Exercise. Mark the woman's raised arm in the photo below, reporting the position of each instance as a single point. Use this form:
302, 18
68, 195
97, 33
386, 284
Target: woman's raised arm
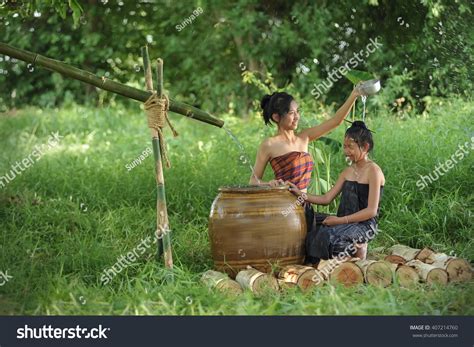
319, 130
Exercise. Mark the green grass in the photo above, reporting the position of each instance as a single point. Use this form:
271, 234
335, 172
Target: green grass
56, 249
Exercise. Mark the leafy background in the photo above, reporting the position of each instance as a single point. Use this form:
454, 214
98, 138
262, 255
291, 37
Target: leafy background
223, 62
426, 50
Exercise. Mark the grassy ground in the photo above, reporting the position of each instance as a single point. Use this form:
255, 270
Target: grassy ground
74, 212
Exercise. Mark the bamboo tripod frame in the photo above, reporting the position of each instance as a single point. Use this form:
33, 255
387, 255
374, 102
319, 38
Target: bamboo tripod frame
163, 232
104, 83
162, 222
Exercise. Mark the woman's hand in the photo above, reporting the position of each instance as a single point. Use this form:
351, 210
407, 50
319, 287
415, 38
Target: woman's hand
294, 189
333, 220
276, 183
356, 92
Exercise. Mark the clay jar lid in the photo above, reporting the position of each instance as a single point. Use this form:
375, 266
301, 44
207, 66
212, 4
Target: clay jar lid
249, 189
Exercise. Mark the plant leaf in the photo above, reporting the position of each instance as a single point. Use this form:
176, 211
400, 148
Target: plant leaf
355, 76
334, 144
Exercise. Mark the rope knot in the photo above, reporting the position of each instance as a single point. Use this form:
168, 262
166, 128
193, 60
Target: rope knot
156, 109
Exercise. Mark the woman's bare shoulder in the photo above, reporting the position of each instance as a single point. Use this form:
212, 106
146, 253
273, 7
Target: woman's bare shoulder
345, 173
374, 169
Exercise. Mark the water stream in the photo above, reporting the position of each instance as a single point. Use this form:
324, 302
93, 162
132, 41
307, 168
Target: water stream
363, 98
243, 156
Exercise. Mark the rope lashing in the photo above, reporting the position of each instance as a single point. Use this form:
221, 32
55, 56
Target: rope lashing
156, 109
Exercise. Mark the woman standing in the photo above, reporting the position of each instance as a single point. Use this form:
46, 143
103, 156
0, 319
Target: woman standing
287, 151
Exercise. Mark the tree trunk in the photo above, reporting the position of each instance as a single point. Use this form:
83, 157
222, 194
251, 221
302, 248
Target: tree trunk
304, 277
221, 282
376, 272
429, 273
256, 281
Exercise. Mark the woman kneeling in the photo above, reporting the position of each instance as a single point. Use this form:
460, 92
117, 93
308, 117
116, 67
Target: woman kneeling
361, 185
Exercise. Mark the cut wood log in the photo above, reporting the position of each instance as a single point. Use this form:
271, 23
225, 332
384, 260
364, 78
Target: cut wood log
326, 267
404, 275
429, 273
380, 250
221, 281
405, 252
377, 253
346, 273
256, 281
375, 256
459, 270
425, 254
286, 285
394, 259
304, 277
375, 272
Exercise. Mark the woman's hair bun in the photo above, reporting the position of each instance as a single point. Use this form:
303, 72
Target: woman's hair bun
359, 124
265, 101
278, 102
359, 132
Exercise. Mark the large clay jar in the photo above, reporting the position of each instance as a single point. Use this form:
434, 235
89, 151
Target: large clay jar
259, 226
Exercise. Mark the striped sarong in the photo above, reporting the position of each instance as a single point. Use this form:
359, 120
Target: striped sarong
295, 167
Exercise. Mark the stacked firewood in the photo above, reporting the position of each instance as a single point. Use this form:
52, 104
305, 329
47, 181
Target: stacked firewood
400, 264
432, 267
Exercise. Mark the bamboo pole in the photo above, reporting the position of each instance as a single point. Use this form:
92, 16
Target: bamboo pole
162, 217
162, 223
159, 76
104, 83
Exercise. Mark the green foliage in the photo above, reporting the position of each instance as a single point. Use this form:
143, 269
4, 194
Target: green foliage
208, 57
33, 8
355, 76
74, 212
